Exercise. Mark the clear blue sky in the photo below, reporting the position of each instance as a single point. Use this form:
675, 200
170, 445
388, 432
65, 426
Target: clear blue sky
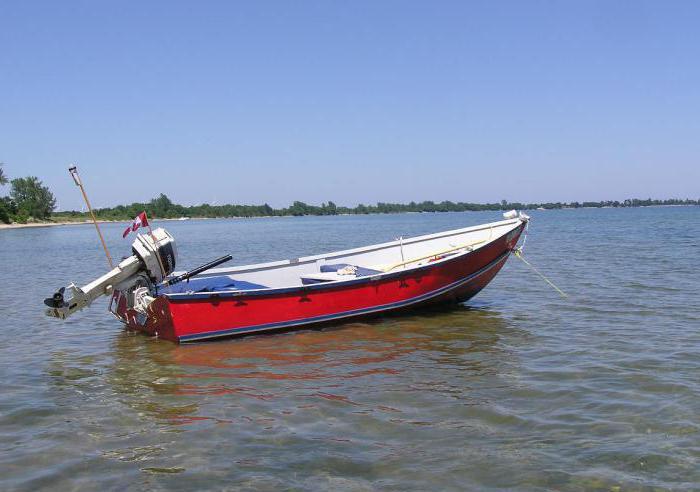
252, 102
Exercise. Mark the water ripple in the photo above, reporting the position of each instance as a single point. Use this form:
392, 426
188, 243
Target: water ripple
522, 390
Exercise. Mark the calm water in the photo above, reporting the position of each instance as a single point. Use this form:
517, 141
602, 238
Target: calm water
518, 390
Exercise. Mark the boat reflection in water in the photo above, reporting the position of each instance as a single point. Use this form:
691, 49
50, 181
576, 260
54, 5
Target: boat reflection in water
359, 400
378, 366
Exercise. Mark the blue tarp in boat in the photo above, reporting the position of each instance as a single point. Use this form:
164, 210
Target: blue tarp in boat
210, 284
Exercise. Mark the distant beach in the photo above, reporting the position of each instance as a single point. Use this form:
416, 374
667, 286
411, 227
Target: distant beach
77, 222
50, 224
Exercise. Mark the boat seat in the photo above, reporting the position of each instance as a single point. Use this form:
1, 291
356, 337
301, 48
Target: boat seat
211, 284
338, 271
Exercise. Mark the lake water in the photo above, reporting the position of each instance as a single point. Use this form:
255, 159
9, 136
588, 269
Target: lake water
519, 389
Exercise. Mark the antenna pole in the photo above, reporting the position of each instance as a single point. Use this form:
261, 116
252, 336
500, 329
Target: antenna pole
74, 174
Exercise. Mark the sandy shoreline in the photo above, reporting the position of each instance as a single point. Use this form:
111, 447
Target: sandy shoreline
45, 224
65, 223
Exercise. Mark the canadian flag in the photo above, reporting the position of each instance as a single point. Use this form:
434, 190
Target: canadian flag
140, 221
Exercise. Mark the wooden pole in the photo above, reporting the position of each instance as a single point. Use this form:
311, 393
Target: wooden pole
74, 173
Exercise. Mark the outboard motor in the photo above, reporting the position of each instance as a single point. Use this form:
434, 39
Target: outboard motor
153, 259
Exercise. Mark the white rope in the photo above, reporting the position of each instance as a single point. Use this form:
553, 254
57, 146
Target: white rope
519, 254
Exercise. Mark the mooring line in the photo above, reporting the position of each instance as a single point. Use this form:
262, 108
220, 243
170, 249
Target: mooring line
519, 254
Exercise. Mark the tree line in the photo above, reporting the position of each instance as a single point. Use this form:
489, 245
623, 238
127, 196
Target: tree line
29, 200
163, 207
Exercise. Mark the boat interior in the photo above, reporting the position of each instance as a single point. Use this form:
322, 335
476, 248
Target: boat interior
375, 260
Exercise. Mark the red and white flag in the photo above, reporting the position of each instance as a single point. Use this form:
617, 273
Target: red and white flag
140, 221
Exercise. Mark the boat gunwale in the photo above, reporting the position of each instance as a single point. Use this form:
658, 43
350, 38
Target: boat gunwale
346, 252
187, 296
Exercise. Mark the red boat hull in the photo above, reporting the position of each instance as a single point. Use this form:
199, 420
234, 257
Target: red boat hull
212, 315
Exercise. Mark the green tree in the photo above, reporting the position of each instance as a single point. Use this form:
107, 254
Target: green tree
299, 208
32, 197
7, 209
161, 206
6, 205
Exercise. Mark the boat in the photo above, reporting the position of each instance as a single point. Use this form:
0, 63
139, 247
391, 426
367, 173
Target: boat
211, 301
